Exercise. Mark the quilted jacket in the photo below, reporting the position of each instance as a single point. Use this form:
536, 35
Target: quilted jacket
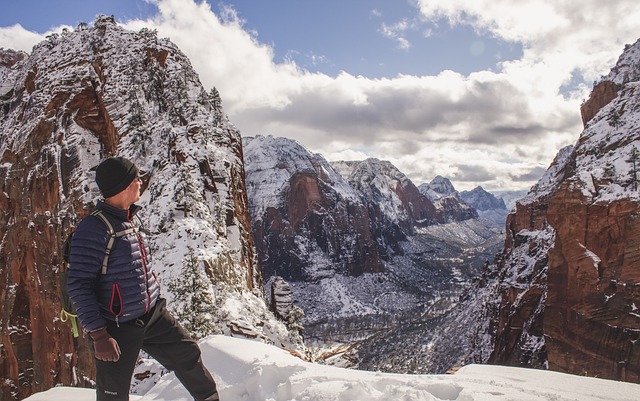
128, 288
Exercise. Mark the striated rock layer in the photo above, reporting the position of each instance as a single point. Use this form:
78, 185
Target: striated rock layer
306, 217
570, 277
82, 96
312, 218
601, 95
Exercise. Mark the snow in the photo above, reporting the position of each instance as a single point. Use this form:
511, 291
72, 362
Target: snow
438, 188
247, 370
603, 160
271, 162
594, 258
551, 178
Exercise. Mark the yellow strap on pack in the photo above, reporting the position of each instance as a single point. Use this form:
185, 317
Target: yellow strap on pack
64, 316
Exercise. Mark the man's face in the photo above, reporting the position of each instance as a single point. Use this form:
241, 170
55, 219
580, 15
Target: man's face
133, 191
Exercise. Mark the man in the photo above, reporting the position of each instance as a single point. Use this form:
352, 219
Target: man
120, 306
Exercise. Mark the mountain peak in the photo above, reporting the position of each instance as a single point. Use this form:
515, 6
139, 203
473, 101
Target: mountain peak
438, 187
482, 200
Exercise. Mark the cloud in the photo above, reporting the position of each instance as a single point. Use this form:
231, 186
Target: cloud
397, 32
473, 173
496, 128
584, 35
17, 38
534, 174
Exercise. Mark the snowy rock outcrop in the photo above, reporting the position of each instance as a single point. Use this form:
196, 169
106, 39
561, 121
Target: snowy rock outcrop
569, 269
281, 298
482, 200
77, 98
487, 205
307, 221
450, 206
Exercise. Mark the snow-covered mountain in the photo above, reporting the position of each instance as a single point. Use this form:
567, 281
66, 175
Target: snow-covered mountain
510, 197
450, 206
439, 187
568, 272
77, 98
361, 247
488, 205
389, 193
482, 200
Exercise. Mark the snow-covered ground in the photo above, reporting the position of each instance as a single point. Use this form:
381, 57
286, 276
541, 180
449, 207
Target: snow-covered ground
249, 370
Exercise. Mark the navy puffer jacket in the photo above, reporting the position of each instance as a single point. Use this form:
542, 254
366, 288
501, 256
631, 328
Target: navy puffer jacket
128, 289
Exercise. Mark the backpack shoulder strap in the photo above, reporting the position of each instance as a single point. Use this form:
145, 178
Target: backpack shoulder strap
113, 235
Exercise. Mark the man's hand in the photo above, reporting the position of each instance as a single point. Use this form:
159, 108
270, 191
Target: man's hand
106, 347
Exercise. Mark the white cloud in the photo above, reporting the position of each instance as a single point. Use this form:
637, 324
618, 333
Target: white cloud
586, 35
397, 32
17, 38
518, 108
486, 128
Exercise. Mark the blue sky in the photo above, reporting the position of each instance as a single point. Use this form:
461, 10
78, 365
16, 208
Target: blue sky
483, 92
327, 36
330, 36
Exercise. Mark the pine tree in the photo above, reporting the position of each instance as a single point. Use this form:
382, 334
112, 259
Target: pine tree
216, 102
294, 322
187, 196
191, 290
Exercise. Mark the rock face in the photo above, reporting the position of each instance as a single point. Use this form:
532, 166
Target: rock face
281, 298
305, 214
601, 95
482, 200
78, 98
570, 277
448, 202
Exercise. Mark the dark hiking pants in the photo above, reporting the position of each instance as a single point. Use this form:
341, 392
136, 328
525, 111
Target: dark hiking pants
162, 337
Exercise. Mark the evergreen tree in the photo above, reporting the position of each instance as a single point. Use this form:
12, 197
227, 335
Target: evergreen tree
216, 102
294, 322
191, 291
187, 195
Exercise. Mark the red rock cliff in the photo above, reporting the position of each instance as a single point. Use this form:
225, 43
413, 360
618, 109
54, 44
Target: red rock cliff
603, 93
570, 277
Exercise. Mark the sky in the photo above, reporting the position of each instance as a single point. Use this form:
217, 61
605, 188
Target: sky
483, 93
248, 370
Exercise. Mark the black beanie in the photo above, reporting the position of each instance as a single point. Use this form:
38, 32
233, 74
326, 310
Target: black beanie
114, 175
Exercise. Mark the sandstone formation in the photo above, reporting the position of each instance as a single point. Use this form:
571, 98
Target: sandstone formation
569, 272
448, 202
292, 197
281, 298
79, 97
601, 95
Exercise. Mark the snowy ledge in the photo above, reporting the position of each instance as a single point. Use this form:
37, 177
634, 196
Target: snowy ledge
253, 371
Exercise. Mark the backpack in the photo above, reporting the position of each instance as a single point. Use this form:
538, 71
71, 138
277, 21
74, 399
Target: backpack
68, 310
